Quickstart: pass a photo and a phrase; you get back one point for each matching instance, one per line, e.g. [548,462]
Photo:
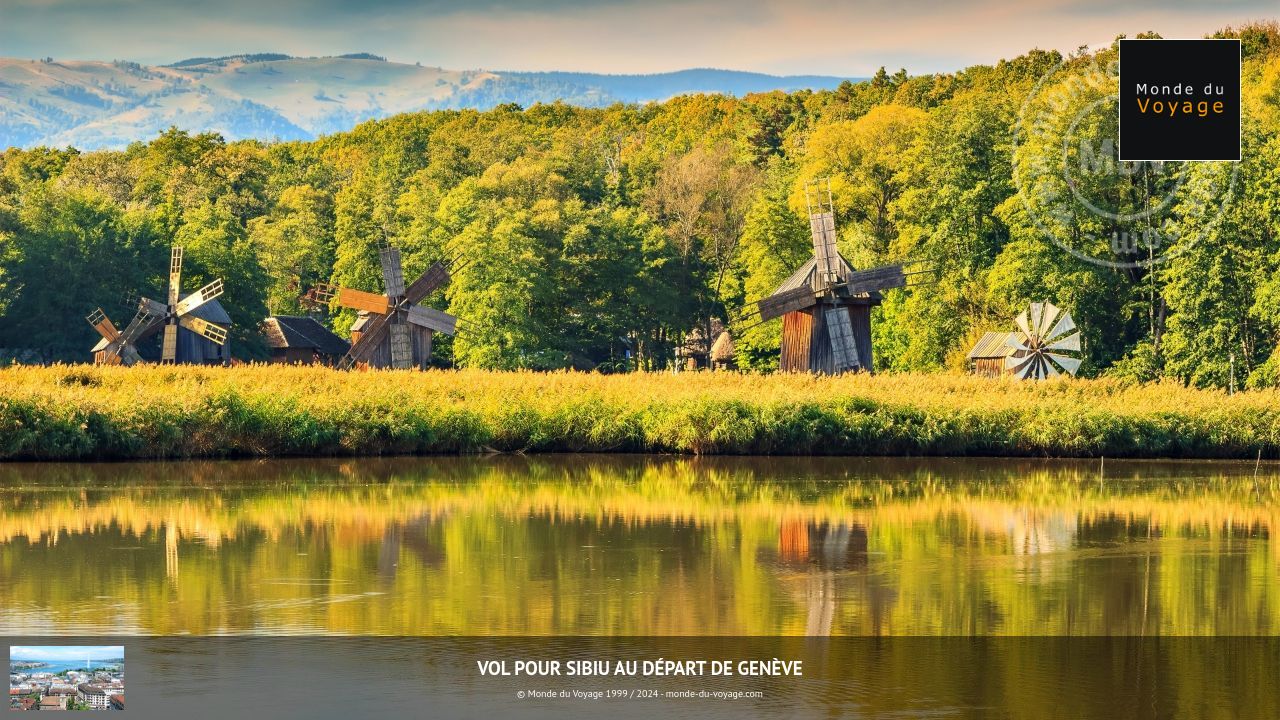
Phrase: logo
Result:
[1180,99]
[1080,195]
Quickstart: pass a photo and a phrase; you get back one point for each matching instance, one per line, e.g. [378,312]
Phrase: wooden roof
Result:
[993,345]
[807,276]
[292,331]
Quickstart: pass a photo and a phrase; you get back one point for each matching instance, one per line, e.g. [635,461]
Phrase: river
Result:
[640,546]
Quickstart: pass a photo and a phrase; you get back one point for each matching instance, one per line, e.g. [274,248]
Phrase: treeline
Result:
[605,237]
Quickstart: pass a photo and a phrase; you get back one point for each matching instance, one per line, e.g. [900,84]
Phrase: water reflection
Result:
[639,546]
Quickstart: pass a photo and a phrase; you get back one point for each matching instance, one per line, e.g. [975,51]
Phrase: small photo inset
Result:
[66,677]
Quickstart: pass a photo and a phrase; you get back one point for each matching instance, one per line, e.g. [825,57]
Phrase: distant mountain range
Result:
[93,104]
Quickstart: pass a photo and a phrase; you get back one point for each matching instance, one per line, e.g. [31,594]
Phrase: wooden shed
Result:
[806,334]
[989,353]
[298,340]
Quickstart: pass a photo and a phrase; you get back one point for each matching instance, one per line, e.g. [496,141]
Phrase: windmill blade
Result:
[392,272]
[885,277]
[142,321]
[1046,320]
[1026,369]
[1069,364]
[175,274]
[1017,343]
[1064,325]
[169,348]
[1017,363]
[1037,310]
[1022,324]
[840,334]
[374,332]
[129,356]
[432,319]
[100,322]
[1047,369]
[117,344]
[154,307]
[204,328]
[401,346]
[1071,342]
[822,227]
[780,304]
[1033,369]
[436,276]
[198,298]
[361,300]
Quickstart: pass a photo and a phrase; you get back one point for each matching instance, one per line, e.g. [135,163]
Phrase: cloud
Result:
[800,36]
[66,652]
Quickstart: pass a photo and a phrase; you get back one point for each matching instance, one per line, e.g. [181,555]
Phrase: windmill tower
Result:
[195,326]
[393,330]
[825,305]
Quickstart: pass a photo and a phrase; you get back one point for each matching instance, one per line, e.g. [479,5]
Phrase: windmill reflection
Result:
[414,536]
[823,550]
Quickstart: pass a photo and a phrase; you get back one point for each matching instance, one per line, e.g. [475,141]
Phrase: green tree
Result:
[295,243]
[216,246]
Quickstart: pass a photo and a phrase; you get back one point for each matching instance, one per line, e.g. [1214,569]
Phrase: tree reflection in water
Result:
[640,546]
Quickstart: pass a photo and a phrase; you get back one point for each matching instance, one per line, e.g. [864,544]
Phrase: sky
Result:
[66,652]
[848,39]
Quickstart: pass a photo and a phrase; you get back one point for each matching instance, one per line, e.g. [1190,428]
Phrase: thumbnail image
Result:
[66,677]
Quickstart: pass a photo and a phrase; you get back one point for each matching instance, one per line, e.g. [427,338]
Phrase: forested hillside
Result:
[603,236]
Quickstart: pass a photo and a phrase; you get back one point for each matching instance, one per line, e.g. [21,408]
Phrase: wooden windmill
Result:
[199,314]
[394,330]
[825,305]
[1043,347]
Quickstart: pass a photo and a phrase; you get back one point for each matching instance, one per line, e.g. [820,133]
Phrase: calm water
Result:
[639,546]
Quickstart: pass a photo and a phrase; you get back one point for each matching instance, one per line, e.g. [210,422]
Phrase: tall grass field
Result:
[85,412]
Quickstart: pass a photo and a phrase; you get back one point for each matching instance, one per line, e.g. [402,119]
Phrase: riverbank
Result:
[110,413]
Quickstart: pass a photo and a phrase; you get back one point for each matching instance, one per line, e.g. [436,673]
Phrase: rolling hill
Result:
[95,104]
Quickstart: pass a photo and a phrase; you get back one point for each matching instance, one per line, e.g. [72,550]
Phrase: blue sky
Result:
[620,36]
[66,652]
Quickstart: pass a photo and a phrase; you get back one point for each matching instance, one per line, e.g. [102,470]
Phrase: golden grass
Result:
[112,412]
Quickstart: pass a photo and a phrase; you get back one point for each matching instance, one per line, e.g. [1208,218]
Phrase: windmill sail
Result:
[840,332]
[361,300]
[169,346]
[401,346]
[432,319]
[175,274]
[198,298]
[392,272]
[885,277]
[210,331]
[781,303]
[822,226]
[436,276]
[374,332]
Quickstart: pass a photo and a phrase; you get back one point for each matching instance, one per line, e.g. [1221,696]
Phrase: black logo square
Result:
[1179,100]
